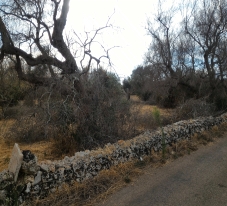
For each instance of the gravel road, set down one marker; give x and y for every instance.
(193, 180)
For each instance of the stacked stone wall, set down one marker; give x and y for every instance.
(39, 179)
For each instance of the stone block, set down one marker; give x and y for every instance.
(15, 161)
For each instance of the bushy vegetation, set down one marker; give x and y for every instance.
(148, 84)
(12, 90)
(185, 60)
(75, 121)
(81, 108)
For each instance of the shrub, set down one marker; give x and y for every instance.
(28, 127)
(11, 90)
(221, 102)
(76, 121)
(194, 108)
(156, 115)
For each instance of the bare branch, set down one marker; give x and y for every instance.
(41, 38)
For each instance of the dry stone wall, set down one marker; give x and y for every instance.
(39, 179)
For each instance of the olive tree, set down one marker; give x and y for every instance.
(206, 26)
(33, 31)
(190, 50)
(169, 52)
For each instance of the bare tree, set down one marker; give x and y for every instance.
(164, 38)
(207, 27)
(197, 43)
(33, 31)
(169, 52)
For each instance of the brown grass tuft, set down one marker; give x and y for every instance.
(93, 190)
(41, 149)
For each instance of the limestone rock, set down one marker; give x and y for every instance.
(38, 178)
(15, 161)
(28, 188)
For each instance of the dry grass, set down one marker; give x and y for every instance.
(5, 149)
(96, 190)
(143, 117)
(108, 181)
(146, 108)
(46, 150)
(41, 149)
(135, 99)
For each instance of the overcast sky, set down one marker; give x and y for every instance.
(129, 20)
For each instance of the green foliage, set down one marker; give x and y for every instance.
(127, 84)
(76, 121)
(10, 94)
(157, 118)
(11, 89)
(221, 102)
(144, 95)
(141, 82)
(13, 194)
(101, 109)
(156, 115)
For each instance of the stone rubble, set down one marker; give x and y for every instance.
(39, 179)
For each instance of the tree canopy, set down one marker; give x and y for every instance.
(33, 32)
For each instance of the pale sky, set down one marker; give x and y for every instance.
(129, 20)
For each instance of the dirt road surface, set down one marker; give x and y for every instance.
(193, 180)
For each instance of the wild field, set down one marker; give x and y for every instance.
(97, 189)
(45, 150)
(40, 149)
